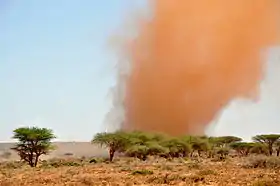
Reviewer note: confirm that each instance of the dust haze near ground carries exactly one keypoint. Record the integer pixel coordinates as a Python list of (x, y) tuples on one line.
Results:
[(62, 150), (191, 59)]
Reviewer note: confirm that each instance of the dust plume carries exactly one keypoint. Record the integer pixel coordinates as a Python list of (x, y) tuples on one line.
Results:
[(191, 58)]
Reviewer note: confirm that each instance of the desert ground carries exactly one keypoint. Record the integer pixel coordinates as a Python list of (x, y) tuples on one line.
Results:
[(70, 165)]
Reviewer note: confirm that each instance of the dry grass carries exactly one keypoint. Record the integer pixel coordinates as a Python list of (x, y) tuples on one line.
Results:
[(127, 171)]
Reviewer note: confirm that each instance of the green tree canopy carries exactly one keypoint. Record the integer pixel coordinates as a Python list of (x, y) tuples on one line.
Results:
[(177, 147), (269, 139), (242, 148), (32, 143), (259, 148), (223, 141), (198, 144), (142, 144), (115, 142)]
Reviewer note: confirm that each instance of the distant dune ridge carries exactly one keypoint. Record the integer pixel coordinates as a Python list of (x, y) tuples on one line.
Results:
[(63, 149)]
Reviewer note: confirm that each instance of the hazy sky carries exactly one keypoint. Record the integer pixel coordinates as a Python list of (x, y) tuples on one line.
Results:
[(56, 69)]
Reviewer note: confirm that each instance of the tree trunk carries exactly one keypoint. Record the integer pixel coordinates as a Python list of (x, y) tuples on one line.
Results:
[(30, 160), (270, 152), (111, 154), (36, 160), (270, 149), (278, 152)]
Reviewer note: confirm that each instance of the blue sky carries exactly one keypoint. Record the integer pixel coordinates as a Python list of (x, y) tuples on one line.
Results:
[(55, 64), (56, 69)]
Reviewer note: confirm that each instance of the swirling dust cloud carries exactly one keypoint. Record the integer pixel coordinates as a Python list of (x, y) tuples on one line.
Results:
[(192, 57)]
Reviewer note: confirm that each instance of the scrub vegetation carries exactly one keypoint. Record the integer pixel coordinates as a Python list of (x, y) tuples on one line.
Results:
[(141, 158)]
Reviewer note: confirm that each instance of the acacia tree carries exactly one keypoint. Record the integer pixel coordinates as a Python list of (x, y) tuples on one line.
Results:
[(242, 148), (115, 142), (223, 152), (197, 143), (176, 147), (139, 151), (142, 145), (223, 141), (259, 148), (32, 143), (269, 139)]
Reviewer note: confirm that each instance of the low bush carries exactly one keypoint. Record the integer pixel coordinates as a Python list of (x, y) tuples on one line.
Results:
[(12, 165), (55, 163), (193, 165), (142, 172), (68, 154), (265, 182), (207, 172), (98, 160), (262, 161), (169, 179)]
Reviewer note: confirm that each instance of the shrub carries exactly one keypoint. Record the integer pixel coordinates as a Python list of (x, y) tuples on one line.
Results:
[(98, 160), (196, 179), (169, 179), (262, 162), (68, 154), (259, 148), (138, 151), (265, 182), (223, 152), (206, 172), (273, 162), (93, 160), (12, 164), (142, 172), (193, 165), (55, 163)]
